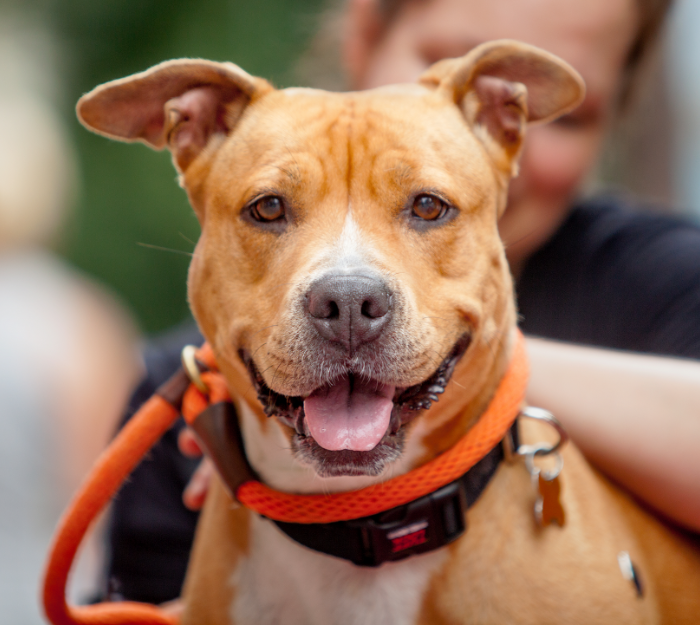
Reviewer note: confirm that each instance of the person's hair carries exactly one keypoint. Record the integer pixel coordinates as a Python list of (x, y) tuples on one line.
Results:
[(652, 14), (321, 65)]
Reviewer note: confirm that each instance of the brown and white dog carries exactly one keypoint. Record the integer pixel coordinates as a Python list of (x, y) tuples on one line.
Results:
[(349, 249)]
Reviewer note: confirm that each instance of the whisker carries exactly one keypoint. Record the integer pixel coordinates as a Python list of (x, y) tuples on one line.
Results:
[(259, 346), (506, 244), (164, 249), (187, 238)]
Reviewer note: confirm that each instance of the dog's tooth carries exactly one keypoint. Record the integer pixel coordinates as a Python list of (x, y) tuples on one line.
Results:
[(435, 388), (395, 422), (432, 397)]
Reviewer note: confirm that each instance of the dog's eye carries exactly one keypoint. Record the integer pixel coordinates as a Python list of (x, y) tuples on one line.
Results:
[(429, 207), (269, 208)]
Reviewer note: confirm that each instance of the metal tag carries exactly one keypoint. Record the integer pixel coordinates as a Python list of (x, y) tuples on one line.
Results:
[(548, 508)]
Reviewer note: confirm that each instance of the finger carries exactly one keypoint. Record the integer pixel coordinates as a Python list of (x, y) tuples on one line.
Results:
[(196, 491), (188, 444), (175, 607)]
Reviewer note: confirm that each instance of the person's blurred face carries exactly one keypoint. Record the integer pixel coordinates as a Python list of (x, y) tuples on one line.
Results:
[(594, 36)]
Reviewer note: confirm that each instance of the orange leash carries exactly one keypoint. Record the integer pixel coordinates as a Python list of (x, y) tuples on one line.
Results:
[(157, 415), (110, 470)]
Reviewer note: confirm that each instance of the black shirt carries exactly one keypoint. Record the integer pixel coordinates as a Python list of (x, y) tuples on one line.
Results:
[(614, 277), (611, 276)]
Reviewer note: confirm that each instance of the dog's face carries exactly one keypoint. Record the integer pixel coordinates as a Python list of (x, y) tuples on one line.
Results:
[(349, 259), (349, 255)]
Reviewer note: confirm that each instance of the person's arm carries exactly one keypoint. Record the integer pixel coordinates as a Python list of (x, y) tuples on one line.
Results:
[(635, 417)]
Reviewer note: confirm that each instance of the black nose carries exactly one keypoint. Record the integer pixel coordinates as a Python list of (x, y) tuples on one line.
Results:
[(350, 310)]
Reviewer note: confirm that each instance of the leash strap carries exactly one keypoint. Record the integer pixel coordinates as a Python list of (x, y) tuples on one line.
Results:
[(110, 470)]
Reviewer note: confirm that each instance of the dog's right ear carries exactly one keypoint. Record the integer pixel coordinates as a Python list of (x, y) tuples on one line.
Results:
[(181, 104)]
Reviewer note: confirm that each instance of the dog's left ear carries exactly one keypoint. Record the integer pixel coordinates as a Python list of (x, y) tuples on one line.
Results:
[(501, 86)]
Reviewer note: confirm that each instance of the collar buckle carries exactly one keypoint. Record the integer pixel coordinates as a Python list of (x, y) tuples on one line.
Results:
[(416, 527)]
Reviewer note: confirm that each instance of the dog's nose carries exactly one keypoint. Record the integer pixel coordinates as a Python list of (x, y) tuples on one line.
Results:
[(350, 310)]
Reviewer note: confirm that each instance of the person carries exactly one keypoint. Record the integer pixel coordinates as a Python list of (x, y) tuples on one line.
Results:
[(613, 293)]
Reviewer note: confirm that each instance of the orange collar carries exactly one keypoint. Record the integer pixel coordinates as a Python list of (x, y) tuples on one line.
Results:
[(156, 416)]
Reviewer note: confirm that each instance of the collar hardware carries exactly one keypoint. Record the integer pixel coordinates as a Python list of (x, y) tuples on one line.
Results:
[(426, 524), (192, 368), (547, 508)]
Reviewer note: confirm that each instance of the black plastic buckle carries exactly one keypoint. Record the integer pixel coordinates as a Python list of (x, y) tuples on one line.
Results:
[(419, 526)]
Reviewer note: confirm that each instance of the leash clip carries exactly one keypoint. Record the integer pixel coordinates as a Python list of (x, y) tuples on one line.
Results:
[(192, 368)]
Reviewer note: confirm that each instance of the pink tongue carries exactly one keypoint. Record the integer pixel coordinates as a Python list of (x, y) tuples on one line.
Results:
[(341, 418)]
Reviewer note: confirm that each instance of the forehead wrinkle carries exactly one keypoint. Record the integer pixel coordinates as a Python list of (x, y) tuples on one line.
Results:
[(402, 171), (272, 172), (290, 164), (291, 172)]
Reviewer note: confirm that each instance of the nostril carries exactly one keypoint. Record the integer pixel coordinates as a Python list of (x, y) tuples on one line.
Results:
[(373, 309), (321, 307), (333, 311)]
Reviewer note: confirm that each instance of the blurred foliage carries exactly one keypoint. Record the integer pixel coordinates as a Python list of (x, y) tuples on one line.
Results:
[(129, 198)]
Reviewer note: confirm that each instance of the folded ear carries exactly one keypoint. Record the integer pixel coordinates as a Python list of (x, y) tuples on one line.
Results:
[(180, 103), (503, 85)]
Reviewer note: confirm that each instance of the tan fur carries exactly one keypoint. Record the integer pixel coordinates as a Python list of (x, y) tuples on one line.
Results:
[(347, 164), (212, 592), (516, 572)]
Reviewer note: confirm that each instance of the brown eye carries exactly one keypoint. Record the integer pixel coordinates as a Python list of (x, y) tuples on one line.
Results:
[(429, 207), (269, 208)]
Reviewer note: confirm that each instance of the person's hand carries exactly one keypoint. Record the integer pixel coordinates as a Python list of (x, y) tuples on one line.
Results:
[(174, 608), (196, 491)]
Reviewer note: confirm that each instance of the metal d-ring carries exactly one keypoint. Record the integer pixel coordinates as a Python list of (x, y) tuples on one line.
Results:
[(542, 449), (535, 471), (189, 364)]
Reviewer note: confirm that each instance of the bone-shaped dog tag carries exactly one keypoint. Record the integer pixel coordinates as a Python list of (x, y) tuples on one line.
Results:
[(548, 508)]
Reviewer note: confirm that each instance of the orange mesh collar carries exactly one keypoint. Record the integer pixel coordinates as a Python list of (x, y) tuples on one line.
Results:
[(157, 415)]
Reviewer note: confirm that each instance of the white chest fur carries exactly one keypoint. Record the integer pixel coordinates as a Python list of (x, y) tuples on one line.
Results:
[(282, 583)]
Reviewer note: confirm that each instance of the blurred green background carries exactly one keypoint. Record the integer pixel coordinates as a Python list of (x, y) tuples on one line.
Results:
[(129, 198)]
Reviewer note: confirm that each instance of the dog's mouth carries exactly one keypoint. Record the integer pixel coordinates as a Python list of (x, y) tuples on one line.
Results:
[(354, 425)]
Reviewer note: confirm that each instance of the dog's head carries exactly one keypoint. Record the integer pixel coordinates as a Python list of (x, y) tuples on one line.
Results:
[(349, 261)]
